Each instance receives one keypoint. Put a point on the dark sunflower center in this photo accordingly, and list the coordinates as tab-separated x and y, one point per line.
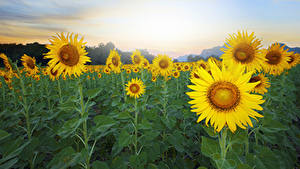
175	73
137	59
69	55
186	67
292	59
6	78
178	68
134	88
223	95
244	53
273	57
255	79
30	63
115	61
163	64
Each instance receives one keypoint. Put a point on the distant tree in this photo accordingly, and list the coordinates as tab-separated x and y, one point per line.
175	60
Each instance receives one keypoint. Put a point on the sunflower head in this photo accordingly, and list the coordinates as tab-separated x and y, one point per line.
153	79
67	54
276	59
128	71
176	74
6	62
53	75
244	49
263	84
163	64
135	88
223	97
114	61
29	64
186	67
137	58
106	70
145	63
294	60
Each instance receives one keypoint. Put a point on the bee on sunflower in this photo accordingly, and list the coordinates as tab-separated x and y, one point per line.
67	54
29	65
243	48
223	97
277	59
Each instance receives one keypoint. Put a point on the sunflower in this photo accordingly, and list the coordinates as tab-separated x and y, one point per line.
99	75
128	71
223	98
244	49
106	70
114	61
29	64
67	54
263	84
145	63
53	75
163	64
137	58
195	73
294	60
153	79
276	59
186	67
202	63
135	88
135	69
176	74
6	63
179	68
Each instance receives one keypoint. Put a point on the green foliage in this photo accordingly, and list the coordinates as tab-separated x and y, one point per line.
168	135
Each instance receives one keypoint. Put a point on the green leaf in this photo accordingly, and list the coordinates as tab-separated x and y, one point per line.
9	163
210	131
67	157
69	127
177	140
91	93
124	115
3	134
99	165
104	122
124	139
209	147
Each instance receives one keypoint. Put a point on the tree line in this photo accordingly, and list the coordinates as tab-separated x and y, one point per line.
98	54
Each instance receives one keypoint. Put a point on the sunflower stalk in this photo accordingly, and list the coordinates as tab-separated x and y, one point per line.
25	105
165	102
84	131
123	85
223	147
59	90
136	127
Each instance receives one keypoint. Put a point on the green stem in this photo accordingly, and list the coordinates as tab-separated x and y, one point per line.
247	144
84	131
165	103
123	85
25	105
136	127
177	88
222	142
59	90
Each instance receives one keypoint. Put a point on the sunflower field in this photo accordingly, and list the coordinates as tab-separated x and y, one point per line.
241	111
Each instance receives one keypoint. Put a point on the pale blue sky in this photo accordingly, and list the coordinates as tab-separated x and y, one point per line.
165	26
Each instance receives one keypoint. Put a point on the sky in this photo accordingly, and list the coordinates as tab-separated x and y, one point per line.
172	27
